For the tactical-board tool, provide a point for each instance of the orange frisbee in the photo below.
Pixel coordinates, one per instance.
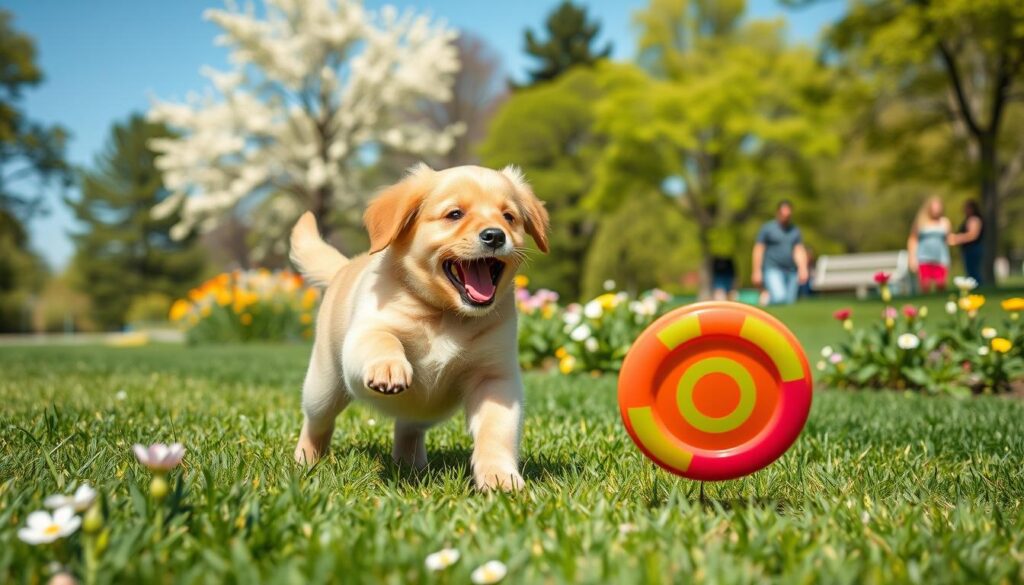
(715, 390)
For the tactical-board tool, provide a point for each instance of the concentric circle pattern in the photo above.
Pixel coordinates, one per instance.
(715, 390)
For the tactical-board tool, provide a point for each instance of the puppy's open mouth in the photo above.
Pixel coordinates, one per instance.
(476, 280)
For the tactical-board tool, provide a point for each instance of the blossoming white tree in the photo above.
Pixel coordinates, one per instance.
(314, 86)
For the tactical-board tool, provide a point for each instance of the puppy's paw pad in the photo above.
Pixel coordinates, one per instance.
(388, 376)
(496, 478)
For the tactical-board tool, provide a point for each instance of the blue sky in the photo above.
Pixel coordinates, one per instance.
(106, 59)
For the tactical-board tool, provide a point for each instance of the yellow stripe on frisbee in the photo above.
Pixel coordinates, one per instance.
(768, 338)
(653, 439)
(680, 332)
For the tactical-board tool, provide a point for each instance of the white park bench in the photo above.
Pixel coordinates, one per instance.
(856, 272)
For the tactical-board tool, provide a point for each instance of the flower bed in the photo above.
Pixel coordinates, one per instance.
(592, 337)
(957, 353)
(254, 305)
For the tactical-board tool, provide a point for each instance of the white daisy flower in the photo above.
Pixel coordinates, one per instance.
(41, 527)
(826, 351)
(951, 308)
(609, 284)
(80, 501)
(489, 572)
(121, 395)
(580, 333)
(593, 310)
(908, 341)
(591, 344)
(965, 283)
(983, 350)
(820, 365)
(442, 559)
(572, 319)
(988, 332)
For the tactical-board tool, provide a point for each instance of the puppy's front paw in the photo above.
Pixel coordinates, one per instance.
(488, 477)
(388, 376)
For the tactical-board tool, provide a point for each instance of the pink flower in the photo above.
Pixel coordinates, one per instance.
(547, 296)
(910, 311)
(522, 295)
(890, 313)
(842, 314)
(159, 457)
(881, 278)
(660, 295)
(835, 358)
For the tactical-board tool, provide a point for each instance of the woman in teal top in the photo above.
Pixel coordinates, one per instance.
(928, 246)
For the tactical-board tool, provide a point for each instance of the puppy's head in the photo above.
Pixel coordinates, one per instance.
(458, 235)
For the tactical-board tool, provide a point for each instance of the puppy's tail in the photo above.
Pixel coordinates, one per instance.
(316, 260)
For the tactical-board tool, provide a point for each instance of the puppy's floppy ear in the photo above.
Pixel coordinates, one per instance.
(535, 216)
(395, 208)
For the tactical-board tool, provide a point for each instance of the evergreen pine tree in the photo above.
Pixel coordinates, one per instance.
(123, 252)
(570, 42)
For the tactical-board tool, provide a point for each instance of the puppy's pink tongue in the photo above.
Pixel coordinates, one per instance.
(477, 280)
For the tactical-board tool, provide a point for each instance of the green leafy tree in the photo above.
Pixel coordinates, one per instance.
(21, 273)
(641, 245)
(29, 151)
(721, 115)
(31, 157)
(570, 41)
(123, 252)
(958, 63)
(548, 130)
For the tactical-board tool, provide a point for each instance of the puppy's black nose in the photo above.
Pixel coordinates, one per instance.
(493, 238)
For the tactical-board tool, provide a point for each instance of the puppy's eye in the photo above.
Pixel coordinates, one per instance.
(509, 217)
(455, 214)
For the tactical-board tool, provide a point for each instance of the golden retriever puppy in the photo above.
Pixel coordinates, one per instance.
(426, 321)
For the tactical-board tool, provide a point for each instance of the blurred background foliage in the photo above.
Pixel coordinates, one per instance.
(649, 166)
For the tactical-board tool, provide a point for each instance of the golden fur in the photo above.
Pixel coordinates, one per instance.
(395, 332)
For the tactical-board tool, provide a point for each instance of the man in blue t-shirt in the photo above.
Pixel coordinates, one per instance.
(780, 259)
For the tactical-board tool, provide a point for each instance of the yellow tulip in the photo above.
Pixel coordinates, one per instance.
(1001, 345)
(607, 301)
(179, 309)
(223, 297)
(1013, 305)
(566, 364)
(521, 281)
(972, 302)
(309, 298)
(561, 352)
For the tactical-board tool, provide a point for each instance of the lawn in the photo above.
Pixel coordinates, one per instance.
(881, 487)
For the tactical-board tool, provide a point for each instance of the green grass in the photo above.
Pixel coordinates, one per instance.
(881, 487)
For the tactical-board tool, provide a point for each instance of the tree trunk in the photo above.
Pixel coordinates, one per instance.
(321, 210)
(989, 208)
(704, 273)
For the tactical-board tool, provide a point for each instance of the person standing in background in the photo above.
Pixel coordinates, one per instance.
(780, 259)
(968, 237)
(928, 246)
(723, 277)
